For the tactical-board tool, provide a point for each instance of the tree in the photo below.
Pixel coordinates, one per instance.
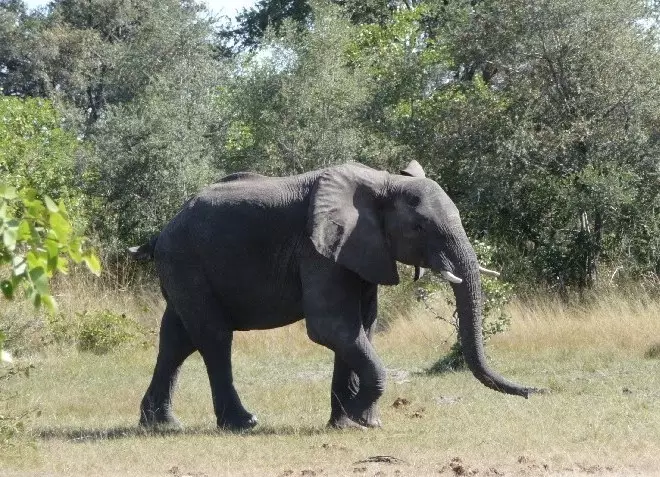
(39, 237)
(532, 101)
(21, 72)
(37, 153)
(253, 23)
(296, 103)
(153, 143)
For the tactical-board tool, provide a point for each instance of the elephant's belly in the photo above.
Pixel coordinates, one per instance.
(265, 322)
(263, 316)
(261, 307)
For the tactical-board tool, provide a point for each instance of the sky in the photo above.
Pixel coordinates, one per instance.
(225, 7)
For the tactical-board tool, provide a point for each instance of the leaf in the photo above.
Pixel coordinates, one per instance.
(35, 298)
(24, 230)
(60, 226)
(29, 194)
(62, 208)
(8, 192)
(51, 205)
(10, 235)
(19, 264)
(37, 259)
(63, 265)
(7, 289)
(53, 251)
(39, 280)
(92, 263)
(35, 209)
(75, 250)
(49, 302)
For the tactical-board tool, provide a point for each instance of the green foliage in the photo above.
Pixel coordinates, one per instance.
(37, 153)
(38, 241)
(296, 104)
(98, 331)
(102, 331)
(274, 15)
(508, 105)
(148, 108)
(507, 122)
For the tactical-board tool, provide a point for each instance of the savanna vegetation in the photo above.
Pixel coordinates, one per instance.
(541, 119)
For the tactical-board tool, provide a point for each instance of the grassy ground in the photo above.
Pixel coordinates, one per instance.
(601, 417)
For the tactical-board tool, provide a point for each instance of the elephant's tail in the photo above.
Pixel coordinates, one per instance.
(144, 252)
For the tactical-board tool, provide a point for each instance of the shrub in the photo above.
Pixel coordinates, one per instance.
(102, 331)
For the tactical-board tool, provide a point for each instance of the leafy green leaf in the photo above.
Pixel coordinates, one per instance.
(24, 230)
(60, 226)
(75, 250)
(51, 205)
(10, 235)
(8, 192)
(49, 302)
(19, 264)
(39, 280)
(93, 263)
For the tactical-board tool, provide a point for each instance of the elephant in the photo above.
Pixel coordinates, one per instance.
(255, 252)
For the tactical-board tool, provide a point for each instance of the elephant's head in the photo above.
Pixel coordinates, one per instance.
(367, 220)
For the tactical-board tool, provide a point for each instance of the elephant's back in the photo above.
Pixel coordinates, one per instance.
(246, 236)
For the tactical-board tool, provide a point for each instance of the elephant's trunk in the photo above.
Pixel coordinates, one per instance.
(469, 307)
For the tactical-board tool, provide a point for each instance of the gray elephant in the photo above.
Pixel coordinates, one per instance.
(255, 252)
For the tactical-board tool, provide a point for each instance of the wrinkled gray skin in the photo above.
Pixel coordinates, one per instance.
(255, 252)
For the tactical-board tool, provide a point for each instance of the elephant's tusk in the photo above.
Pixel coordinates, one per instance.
(490, 273)
(450, 277)
(419, 272)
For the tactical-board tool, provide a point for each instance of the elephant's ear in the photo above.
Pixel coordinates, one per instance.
(345, 222)
(413, 169)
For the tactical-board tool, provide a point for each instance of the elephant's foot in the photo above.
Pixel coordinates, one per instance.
(344, 422)
(159, 420)
(350, 417)
(239, 423)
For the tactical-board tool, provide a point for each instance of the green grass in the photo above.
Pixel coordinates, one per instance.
(602, 415)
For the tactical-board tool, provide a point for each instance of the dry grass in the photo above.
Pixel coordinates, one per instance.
(602, 416)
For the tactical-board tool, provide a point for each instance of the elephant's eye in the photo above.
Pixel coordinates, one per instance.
(418, 228)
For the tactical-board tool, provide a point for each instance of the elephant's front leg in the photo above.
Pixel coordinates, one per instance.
(345, 383)
(345, 387)
(333, 304)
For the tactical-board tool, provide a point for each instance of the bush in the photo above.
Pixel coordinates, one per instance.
(98, 331)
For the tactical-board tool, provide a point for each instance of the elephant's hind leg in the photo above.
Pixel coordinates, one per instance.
(205, 320)
(174, 347)
(215, 348)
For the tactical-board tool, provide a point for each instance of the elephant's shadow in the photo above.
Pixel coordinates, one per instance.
(92, 434)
